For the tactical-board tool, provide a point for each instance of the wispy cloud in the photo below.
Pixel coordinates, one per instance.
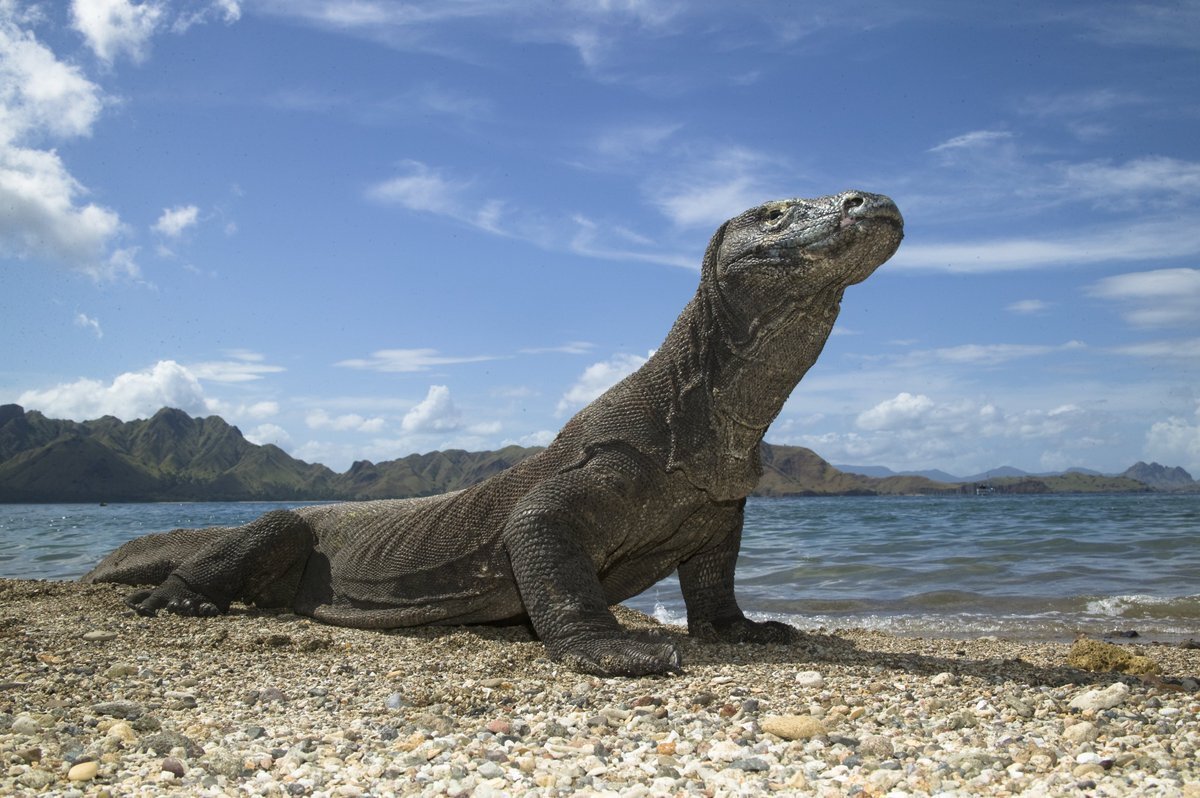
(1028, 307)
(1143, 241)
(1186, 349)
(1156, 298)
(88, 323)
(1079, 103)
(1160, 25)
(975, 139)
(569, 348)
(706, 190)
(243, 366)
(319, 419)
(409, 360)
(420, 187)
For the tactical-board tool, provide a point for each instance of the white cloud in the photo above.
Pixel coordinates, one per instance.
(631, 143)
(41, 95)
(228, 11)
(1188, 349)
(1028, 307)
(422, 188)
(242, 367)
(706, 192)
(901, 410)
(115, 27)
(1155, 298)
(319, 419)
(963, 434)
(992, 354)
(976, 139)
(569, 348)
(435, 413)
(42, 214)
(598, 378)
(88, 323)
(1081, 103)
(174, 221)
(408, 360)
(541, 437)
(136, 394)
(269, 433)
(1155, 176)
(1176, 441)
(1140, 241)
(594, 241)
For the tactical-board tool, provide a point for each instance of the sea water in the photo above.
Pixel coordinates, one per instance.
(1034, 567)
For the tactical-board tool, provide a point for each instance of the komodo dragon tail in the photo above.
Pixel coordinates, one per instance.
(148, 560)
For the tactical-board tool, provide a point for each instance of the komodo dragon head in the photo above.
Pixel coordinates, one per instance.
(774, 259)
(770, 289)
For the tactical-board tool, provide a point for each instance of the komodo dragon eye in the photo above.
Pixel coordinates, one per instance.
(774, 214)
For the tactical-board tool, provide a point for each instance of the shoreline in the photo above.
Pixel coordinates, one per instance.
(269, 703)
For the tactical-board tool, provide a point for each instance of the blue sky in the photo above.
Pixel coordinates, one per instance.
(360, 230)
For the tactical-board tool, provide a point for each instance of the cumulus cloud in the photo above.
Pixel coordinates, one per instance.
(44, 210)
(598, 378)
(174, 221)
(1176, 440)
(919, 430)
(435, 413)
(115, 27)
(44, 213)
(136, 394)
(269, 433)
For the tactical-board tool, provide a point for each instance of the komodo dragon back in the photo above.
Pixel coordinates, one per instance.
(649, 479)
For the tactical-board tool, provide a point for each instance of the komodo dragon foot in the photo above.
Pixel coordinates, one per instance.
(176, 597)
(744, 630)
(623, 656)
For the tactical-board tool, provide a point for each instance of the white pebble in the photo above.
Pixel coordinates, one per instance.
(812, 679)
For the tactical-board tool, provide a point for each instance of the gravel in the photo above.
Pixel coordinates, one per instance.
(95, 700)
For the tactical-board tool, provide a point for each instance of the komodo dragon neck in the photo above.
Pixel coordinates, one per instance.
(730, 380)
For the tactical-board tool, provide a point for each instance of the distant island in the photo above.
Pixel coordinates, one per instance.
(174, 457)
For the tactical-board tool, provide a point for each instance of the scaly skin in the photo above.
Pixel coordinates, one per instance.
(648, 479)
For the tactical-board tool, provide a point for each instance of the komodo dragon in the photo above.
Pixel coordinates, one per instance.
(650, 478)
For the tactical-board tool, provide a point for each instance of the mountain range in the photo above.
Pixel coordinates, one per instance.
(174, 457)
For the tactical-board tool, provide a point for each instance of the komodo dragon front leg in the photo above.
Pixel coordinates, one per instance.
(552, 543)
(259, 563)
(706, 580)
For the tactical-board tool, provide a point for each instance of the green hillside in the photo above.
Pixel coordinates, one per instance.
(174, 457)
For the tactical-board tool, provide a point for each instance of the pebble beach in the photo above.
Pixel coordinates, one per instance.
(97, 701)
